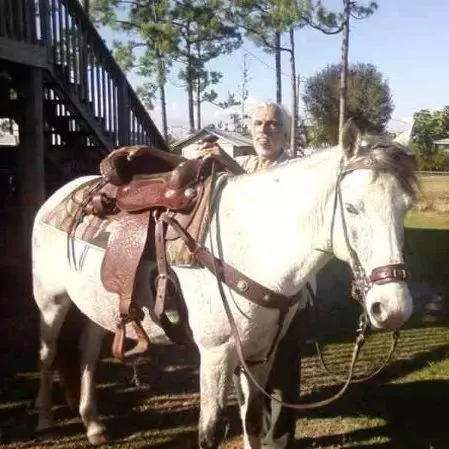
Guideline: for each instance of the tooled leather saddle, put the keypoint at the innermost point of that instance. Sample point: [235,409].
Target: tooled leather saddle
[138,184]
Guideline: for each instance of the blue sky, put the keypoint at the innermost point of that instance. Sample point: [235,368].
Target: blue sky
[407,40]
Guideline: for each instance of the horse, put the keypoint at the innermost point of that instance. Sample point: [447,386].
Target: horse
[279,227]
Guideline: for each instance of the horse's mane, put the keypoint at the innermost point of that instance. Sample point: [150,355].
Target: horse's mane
[395,159]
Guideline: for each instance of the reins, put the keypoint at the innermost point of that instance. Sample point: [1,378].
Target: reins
[361,286]
[244,363]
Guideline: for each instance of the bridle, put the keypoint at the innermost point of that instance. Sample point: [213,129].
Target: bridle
[237,281]
[380,275]
[360,287]
[362,283]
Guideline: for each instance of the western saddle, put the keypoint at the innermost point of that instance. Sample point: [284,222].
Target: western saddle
[147,189]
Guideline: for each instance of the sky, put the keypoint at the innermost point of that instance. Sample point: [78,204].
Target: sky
[407,40]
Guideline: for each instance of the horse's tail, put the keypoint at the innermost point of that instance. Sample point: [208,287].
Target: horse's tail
[67,360]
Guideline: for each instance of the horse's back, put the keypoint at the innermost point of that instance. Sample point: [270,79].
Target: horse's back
[59,195]
[50,269]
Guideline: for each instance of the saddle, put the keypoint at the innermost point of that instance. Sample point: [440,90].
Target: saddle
[139,184]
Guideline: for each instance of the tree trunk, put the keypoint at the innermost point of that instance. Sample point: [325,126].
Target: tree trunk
[293,136]
[198,103]
[344,69]
[163,111]
[198,90]
[190,86]
[277,54]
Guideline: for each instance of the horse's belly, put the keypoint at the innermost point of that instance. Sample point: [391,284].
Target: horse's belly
[79,275]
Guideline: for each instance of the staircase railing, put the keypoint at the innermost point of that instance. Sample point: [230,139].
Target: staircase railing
[18,20]
[82,63]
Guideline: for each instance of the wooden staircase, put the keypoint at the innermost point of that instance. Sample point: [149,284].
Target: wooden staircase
[89,107]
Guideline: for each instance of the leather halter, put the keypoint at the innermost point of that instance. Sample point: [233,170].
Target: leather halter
[384,274]
[230,276]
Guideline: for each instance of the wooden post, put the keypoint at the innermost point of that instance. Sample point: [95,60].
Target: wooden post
[123,113]
[31,173]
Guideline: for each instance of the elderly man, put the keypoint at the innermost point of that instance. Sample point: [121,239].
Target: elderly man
[270,130]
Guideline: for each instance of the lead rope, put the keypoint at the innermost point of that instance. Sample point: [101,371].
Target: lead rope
[244,366]
[359,290]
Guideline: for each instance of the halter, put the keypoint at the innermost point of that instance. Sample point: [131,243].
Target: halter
[379,275]
[360,287]
[253,291]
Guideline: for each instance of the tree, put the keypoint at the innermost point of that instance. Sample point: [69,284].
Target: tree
[351,9]
[152,43]
[266,21]
[203,36]
[161,32]
[369,101]
[237,121]
[430,126]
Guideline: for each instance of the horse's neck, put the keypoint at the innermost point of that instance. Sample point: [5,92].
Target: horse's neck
[271,222]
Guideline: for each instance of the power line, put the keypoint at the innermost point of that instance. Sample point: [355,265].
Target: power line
[263,62]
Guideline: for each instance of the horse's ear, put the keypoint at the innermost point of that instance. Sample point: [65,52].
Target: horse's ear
[350,139]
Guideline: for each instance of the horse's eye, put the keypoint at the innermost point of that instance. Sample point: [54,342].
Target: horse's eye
[350,209]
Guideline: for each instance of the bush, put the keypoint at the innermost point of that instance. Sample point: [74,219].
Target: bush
[432,162]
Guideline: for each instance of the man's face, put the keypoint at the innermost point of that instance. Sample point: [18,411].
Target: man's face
[267,131]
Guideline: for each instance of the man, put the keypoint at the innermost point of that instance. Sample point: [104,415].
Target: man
[270,129]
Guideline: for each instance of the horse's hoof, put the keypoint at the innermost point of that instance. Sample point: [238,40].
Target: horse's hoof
[46,434]
[98,439]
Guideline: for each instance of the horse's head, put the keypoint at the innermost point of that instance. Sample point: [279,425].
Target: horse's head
[375,189]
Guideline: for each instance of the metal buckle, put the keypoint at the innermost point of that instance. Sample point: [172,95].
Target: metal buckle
[399,273]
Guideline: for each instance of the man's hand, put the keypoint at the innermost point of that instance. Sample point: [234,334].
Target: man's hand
[209,149]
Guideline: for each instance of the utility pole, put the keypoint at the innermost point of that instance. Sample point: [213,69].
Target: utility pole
[244,90]
[294,124]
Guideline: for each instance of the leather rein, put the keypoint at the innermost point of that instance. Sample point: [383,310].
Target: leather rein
[242,285]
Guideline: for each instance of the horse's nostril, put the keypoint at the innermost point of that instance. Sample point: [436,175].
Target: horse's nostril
[377,310]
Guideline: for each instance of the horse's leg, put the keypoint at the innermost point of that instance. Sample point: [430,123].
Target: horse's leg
[215,377]
[251,404]
[53,311]
[90,345]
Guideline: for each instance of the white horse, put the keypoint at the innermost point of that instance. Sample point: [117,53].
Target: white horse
[278,227]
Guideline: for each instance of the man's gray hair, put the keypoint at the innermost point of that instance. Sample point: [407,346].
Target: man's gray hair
[283,114]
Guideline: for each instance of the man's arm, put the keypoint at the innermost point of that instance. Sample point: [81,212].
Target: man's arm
[215,150]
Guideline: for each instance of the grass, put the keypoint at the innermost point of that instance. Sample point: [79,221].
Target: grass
[432,209]
[399,409]
[403,408]
[428,220]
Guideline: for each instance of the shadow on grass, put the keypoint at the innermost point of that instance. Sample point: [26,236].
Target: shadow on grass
[414,412]
[170,405]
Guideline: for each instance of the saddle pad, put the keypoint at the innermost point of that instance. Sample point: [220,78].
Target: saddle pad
[96,230]
[93,230]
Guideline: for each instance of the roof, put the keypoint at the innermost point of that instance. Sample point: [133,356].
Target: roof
[233,138]
[442,141]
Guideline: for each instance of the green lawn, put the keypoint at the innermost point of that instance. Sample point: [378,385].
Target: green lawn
[427,220]
[403,408]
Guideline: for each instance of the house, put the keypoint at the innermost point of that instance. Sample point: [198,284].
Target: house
[442,144]
[232,142]
[9,138]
